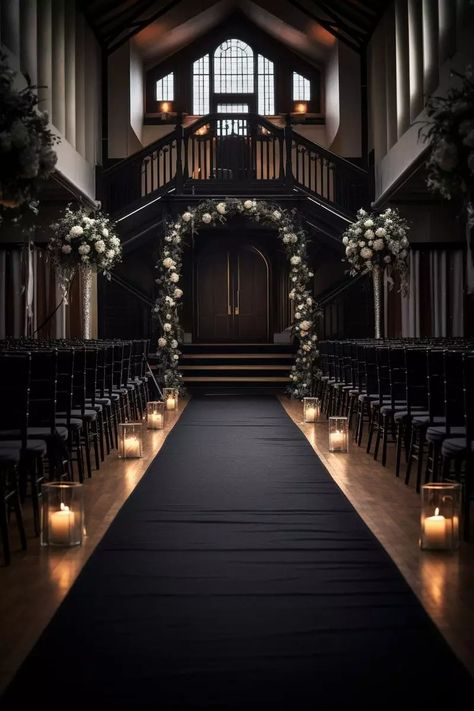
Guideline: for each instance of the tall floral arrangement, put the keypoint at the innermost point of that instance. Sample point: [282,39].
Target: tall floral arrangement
[27,156]
[213,213]
[450,133]
[378,241]
[84,238]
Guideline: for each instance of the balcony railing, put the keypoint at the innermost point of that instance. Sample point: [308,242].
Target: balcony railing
[234,153]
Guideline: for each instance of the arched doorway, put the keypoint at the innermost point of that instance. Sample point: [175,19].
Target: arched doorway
[232,283]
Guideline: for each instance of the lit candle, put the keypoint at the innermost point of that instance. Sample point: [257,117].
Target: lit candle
[337,440]
[170,403]
[61,523]
[435,531]
[310,414]
[155,421]
[131,447]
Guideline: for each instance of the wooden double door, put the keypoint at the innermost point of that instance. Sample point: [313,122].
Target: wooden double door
[232,294]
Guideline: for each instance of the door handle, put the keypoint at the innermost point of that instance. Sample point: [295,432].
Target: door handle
[237,308]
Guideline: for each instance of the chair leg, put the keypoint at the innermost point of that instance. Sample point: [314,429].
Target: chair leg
[399,438]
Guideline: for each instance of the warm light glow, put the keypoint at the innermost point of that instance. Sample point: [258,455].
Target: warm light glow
[301,107]
[165,107]
[202,131]
[322,36]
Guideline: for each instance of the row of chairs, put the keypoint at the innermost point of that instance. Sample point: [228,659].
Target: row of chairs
[62,402]
[417,395]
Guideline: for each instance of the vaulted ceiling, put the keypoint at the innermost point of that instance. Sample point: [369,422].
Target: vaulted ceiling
[161,27]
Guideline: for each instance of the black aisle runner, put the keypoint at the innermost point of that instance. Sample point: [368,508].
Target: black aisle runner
[238,576]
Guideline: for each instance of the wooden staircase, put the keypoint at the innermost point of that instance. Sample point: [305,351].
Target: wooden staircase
[236,365]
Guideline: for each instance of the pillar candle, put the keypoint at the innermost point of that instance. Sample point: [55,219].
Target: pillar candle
[61,523]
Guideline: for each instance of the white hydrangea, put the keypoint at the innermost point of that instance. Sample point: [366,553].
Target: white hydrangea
[276,215]
[187,216]
[366,253]
[369,223]
[206,218]
[295,260]
[115,242]
[105,232]
[110,253]
[84,249]
[345,240]
[174,343]
[76,231]
[100,246]
[67,249]
[369,234]
[221,208]
[162,342]
[178,293]
[361,243]
[174,277]
[286,239]
[167,327]
[168,263]
[84,258]
[248,204]
[306,325]
[177,239]
[380,232]
[297,315]
[379,244]
[404,242]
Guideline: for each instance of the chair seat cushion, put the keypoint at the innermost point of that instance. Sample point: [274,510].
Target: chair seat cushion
[422,420]
[9,455]
[33,446]
[96,406]
[74,423]
[90,415]
[104,401]
[34,433]
[455,446]
[415,412]
[437,434]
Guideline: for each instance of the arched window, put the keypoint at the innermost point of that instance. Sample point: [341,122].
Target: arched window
[233,68]
[165,88]
[301,88]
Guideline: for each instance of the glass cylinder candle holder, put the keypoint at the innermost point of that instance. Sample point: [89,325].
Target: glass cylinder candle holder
[338,434]
[440,516]
[155,415]
[170,397]
[62,520]
[311,409]
[130,440]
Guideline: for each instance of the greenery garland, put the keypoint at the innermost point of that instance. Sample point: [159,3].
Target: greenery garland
[211,213]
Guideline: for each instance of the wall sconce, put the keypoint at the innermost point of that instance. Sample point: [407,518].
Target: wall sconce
[165,108]
[202,131]
[300,107]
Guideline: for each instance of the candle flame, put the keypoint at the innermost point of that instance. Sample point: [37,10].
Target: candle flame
[64,508]
[436,511]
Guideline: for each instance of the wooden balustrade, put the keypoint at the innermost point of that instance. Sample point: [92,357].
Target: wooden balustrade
[238,151]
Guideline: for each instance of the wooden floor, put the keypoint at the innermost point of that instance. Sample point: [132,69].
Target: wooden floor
[36,582]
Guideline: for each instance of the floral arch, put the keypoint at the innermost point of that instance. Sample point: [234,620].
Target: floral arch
[212,213]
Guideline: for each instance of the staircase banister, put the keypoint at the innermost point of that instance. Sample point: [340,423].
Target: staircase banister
[328,296]
[252,118]
[142,154]
[333,157]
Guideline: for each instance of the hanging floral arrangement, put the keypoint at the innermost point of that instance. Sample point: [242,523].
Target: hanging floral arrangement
[212,213]
[27,157]
[378,241]
[84,238]
[450,133]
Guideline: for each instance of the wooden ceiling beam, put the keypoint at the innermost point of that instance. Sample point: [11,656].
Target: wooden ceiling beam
[329,26]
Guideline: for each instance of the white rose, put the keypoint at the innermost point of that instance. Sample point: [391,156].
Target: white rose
[100,246]
[174,277]
[168,238]
[292,294]
[105,232]
[162,342]
[286,239]
[115,242]
[248,204]
[309,300]
[297,314]
[87,220]
[276,215]
[168,263]
[110,253]
[84,249]
[295,260]
[76,231]
[221,208]
[67,249]
[187,216]
[306,325]
[366,253]
[174,343]
[349,251]
[178,293]
[167,327]
[369,223]
[380,232]
[345,240]
[206,218]
[175,356]
[379,244]
[404,242]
